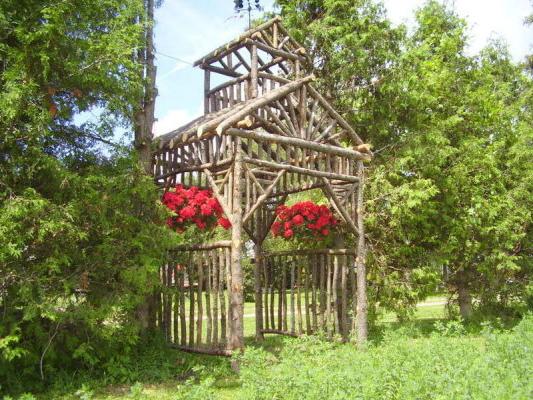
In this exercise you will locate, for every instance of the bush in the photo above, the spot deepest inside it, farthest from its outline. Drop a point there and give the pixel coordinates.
(77, 260)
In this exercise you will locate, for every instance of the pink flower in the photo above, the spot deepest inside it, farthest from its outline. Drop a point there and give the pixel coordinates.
(288, 234)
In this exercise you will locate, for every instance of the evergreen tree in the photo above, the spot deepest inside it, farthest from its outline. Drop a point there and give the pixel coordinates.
(81, 235)
(450, 186)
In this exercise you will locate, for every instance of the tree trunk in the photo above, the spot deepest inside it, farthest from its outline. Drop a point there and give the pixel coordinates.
(464, 297)
(143, 122)
(144, 118)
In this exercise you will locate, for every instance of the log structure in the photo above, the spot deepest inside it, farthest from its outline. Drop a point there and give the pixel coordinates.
(266, 133)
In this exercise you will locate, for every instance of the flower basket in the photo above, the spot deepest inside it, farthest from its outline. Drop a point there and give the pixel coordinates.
(194, 206)
(304, 221)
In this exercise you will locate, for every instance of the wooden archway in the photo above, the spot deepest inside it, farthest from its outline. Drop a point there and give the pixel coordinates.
(265, 133)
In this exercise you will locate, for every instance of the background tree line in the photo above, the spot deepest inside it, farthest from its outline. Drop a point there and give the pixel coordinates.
(82, 235)
(450, 189)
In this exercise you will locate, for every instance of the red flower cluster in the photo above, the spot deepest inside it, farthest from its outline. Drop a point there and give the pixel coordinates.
(305, 220)
(194, 206)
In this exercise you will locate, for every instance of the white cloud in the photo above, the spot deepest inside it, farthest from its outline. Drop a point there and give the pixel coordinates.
(487, 19)
(171, 120)
(175, 118)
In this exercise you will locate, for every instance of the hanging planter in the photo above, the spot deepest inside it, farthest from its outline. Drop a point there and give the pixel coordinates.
(304, 221)
(194, 206)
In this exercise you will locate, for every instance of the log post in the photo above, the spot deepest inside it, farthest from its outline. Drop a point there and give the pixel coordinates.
(362, 302)
(236, 340)
(258, 272)
(253, 73)
(207, 85)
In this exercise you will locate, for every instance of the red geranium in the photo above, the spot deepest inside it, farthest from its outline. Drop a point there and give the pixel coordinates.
(224, 223)
(304, 220)
(193, 206)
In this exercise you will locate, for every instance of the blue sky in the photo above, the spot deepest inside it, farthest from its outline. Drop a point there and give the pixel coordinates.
(188, 29)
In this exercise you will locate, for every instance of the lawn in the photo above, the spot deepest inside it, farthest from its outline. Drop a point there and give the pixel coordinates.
(428, 358)
(432, 308)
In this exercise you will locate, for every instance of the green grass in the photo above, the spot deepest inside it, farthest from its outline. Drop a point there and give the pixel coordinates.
(428, 358)
(431, 309)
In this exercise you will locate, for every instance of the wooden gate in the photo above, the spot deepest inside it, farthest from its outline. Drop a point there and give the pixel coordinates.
(298, 292)
(307, 292)
(193, 308)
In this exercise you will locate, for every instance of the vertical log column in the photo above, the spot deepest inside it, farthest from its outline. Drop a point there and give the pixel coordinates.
(253, 73)
(207, 87)
(362, 303)
(236, 340)
(258, 251)
(258, 271)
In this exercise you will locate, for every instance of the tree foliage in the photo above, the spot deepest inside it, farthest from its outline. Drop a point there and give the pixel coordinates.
(450, 186)
(81, 234)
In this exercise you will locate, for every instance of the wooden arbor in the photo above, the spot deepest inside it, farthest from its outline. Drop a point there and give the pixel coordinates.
(265, 133)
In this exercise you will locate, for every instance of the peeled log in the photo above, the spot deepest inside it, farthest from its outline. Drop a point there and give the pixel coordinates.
(247, 122)
(364, 148)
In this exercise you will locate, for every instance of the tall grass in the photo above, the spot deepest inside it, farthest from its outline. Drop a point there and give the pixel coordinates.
(449, 364)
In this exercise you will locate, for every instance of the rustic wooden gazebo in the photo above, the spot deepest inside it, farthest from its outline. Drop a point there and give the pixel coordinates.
(265, 133)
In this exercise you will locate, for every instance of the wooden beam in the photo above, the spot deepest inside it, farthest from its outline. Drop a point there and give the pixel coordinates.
(360, 264)
(354, 136)
(274, 51)
(223, 71)
(201, 246)
(300, 170)
(297, 45)
(253, 72)
(254, 179)
(220, 50)
(301, 252)
(276, 78)
(283, 42)
(271, 63)
(192, 168)
(242, 60)
(207, 83)
(258, 293)
(217, 195)
(263, 196)
(257, 103)
(333, 197)
(293, 141)
(280, 332)
(236, 291)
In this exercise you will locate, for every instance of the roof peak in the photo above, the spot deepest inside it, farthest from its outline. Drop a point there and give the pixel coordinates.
(271, 37)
